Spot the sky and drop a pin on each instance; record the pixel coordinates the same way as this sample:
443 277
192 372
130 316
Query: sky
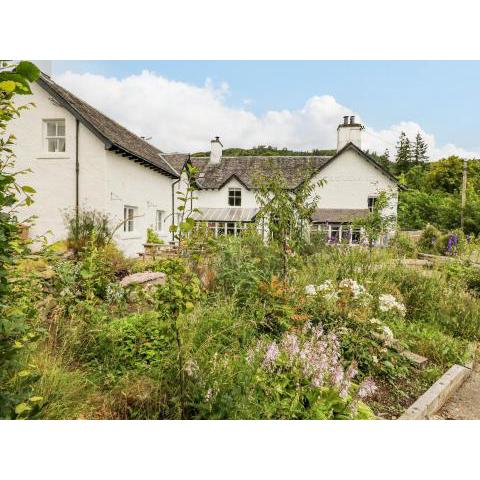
293 104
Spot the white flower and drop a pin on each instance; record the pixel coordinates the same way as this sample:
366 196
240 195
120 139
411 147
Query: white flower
326 285
387 335
310 290
388 302
328 290
352 285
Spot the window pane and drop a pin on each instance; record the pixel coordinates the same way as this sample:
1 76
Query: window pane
60 144
230 228
52 144
51 129
61 129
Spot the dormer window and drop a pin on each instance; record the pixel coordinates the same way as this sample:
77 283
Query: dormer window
54 134
235 197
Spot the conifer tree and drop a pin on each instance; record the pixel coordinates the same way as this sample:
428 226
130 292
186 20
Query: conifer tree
420 150
404 153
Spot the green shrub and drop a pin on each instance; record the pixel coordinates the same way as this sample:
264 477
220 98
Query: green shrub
91 226
403 245
141 342
428 242
152 237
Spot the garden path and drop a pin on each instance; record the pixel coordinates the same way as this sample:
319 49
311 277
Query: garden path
465 403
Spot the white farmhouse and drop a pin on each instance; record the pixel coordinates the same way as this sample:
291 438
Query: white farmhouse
79 157
226 185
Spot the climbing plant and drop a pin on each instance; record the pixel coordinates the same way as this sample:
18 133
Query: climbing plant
14 333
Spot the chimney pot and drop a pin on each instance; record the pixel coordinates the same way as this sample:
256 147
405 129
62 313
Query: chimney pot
349 132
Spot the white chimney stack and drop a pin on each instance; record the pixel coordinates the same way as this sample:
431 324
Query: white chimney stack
215 151
349 132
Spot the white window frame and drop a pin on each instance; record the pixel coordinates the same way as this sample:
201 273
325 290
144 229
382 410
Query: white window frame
129 212
237 195
159 222
374 199
59 122
220 228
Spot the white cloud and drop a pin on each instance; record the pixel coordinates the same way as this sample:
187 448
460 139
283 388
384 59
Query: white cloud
183 117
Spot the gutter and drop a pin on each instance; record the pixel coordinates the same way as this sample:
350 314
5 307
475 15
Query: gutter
173 205
77 175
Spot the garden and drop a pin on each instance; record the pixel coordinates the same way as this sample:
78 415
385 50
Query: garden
239 328
228 336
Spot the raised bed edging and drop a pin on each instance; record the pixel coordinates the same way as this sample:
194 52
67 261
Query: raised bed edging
435 397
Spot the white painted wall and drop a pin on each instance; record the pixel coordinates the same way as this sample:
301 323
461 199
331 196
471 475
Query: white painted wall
349 134
53 174
219 198
351 179
129 183
107 181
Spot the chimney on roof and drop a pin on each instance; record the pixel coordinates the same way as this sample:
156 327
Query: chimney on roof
215 151
349 132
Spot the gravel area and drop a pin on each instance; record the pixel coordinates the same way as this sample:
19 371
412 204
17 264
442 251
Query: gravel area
465 403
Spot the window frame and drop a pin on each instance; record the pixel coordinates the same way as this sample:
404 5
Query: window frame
234 197
159 224
129 224
374 199
57 138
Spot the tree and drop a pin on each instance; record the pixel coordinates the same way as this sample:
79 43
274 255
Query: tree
377 223
14 334
404 154
186 222
420 150
287 212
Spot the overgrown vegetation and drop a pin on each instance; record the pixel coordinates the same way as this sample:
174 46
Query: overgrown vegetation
228 337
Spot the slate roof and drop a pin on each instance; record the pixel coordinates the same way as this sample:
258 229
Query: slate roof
338 215
246 169
226 214
116 137
295 169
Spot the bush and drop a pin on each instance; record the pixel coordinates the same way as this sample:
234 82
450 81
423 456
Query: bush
403 245
428 242
152 237
92 225
141 342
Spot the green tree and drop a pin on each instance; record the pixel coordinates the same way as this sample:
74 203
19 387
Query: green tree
287 212
377 223
403 157
420 150
14 332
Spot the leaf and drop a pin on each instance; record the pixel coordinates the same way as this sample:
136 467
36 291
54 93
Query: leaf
21 408
28 189
7 86
35 399
29 70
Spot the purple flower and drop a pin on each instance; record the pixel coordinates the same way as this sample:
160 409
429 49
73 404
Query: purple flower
271 356
352 371
366 388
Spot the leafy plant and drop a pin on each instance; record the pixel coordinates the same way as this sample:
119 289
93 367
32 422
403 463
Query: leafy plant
15 333
286 213
152 237
89 225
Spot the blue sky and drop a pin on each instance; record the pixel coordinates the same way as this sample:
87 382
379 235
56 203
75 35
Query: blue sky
440 96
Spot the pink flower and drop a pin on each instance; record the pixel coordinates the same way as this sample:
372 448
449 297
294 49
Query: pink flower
271 356
366 388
